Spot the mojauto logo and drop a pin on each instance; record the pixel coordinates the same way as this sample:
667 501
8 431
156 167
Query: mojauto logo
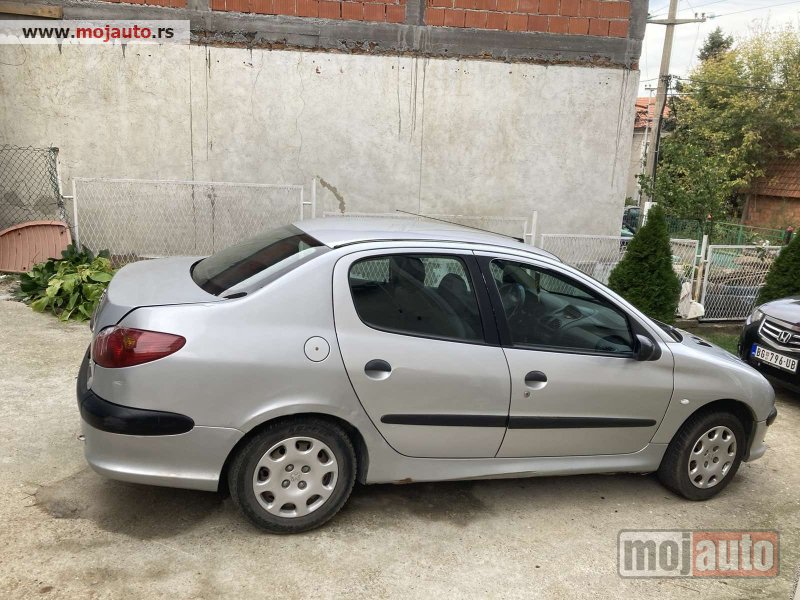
680 553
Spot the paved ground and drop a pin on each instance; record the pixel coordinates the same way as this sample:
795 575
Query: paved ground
67 533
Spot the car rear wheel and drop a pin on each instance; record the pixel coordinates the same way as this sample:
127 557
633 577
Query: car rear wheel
294 475
704 455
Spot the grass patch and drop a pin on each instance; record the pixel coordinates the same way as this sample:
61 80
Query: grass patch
729 341
725 336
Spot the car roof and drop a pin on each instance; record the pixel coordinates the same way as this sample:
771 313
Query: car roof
342 231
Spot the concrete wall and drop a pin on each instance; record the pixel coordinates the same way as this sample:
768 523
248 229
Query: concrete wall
382 132
636 164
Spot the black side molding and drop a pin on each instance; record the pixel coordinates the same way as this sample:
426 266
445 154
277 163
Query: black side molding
575 422
447 420
113 418
515 422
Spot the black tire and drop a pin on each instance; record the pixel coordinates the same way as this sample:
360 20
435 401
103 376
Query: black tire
674 469
242 470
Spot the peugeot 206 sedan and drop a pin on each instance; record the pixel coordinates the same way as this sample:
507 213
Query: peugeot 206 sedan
382 350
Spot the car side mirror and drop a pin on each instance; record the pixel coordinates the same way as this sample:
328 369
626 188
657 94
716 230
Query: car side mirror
645 349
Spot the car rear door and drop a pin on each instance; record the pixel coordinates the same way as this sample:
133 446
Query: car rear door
420 352
576 388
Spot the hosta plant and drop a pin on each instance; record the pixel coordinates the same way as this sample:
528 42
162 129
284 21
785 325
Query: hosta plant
70 287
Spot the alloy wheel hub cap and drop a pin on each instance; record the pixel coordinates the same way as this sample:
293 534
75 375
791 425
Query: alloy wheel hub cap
711 457
295 477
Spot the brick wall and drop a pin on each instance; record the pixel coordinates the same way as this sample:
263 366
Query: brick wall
773 212
386 11
603 32
580 17
604 18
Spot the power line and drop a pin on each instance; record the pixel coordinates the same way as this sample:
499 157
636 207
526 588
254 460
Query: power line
694 47
708 4
661 14
660 8
752 9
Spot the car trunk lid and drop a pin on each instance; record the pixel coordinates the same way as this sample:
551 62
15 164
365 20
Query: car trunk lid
156 282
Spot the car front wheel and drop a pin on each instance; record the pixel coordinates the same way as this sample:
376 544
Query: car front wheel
704 455
293 475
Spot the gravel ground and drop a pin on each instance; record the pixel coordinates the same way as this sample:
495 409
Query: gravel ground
67 533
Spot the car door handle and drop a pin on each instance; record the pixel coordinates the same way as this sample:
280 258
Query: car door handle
535 380
377 369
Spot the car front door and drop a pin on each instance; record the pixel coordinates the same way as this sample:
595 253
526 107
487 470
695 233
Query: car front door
426 366
576 388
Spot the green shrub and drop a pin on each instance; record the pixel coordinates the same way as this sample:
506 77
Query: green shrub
644 276
69 287
783 278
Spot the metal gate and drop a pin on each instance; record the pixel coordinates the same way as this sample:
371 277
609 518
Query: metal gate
137 219
732 279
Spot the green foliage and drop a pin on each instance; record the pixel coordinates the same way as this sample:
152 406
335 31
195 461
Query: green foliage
644 276
783 278
736 112
716 44
70 286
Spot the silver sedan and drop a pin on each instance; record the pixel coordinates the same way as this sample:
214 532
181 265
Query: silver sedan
287 367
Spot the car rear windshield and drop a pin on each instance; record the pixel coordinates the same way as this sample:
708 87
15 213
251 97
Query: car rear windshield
270 253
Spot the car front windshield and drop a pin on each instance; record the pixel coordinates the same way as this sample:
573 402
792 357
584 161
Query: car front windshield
269 253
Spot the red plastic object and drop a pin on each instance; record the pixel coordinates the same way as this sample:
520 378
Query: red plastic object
24 245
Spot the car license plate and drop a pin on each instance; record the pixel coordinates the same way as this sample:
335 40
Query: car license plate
781 361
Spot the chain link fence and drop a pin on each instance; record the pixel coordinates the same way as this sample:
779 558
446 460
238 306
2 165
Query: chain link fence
516 227
141 219
29 185
732 279
597 255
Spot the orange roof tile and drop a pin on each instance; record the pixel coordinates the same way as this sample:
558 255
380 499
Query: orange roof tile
781 178
645 111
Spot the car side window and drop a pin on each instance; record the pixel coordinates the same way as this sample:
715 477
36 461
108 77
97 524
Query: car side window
424 295
550 310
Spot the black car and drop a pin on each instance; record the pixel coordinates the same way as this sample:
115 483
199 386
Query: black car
770 341
630 218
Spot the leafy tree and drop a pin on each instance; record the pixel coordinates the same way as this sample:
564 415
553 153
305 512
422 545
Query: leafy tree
732 116
716 44
783 278
644 276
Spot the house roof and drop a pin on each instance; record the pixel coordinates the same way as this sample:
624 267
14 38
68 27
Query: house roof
645 112
781 178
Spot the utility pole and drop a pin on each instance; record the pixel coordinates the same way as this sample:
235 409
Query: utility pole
663 81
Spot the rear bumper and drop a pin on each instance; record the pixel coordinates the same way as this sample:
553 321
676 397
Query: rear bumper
150 446
114 418
191 460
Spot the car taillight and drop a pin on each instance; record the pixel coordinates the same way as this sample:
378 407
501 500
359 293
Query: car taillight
125 347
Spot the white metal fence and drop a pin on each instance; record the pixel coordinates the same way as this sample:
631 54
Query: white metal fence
732 279
597 255
517 227
136 219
